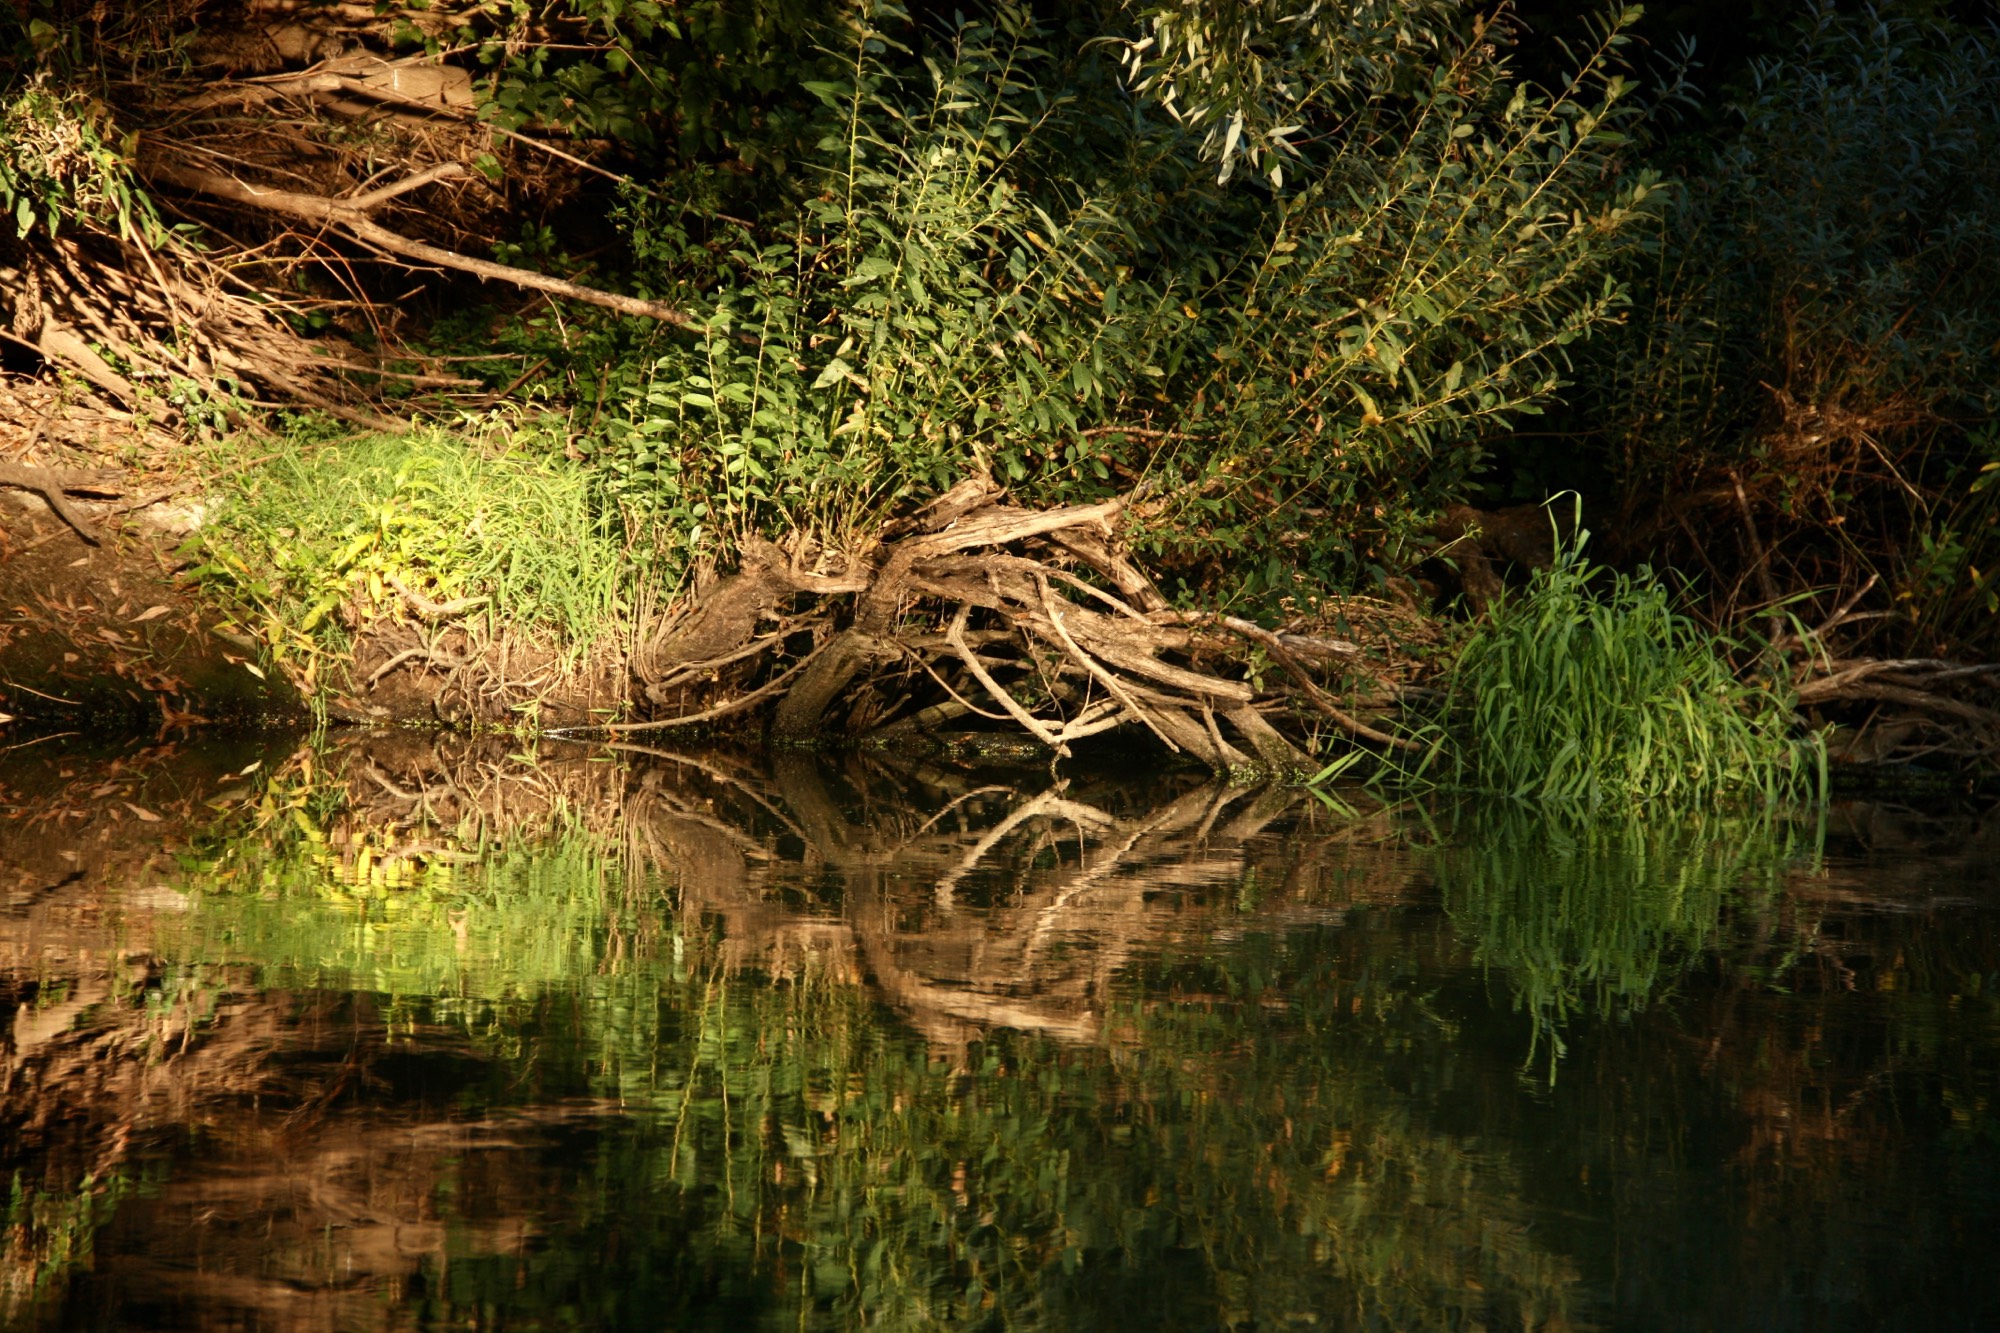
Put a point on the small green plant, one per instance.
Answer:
(1590, 687)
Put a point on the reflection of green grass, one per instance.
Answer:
(1598, 914)
(45, 1236)
(1221, 1164)
(509, 923)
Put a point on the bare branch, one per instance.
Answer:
(353, 219)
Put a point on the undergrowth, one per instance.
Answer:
(321, 536)
(1590, 687)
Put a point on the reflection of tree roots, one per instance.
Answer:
(971, 902)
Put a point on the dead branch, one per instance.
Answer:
(352, 216)
(50, 484)
(956, 637)
(1104, 656)
(1282, 654)
(1842, 680)
(431, 610)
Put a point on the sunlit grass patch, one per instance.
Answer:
(1591, 687)
(319, 536)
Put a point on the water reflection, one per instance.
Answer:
(1603, 913)
(411, 1032)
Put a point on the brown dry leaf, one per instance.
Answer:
(150, 613)
(141, 811)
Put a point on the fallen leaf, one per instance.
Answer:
(150, 613)
(254, 670)
(141, 811)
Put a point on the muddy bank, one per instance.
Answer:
(112, 638)
(117, 638)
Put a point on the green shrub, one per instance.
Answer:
(1589, 687)
(1002, 257)
(1822, 325)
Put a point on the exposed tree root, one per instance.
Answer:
(354, 215)
(51, 483)
(1902, 710)
(975, 606)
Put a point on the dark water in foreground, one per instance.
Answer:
(424, 1035)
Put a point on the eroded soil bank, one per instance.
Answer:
(108, 636)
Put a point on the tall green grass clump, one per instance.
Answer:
(321, 536)
(1589, 687)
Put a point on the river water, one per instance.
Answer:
(408, 1033)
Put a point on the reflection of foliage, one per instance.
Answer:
(429, 906)
(1600, 915)
(45, 1236)
(1227, 1160)
(535, 1056)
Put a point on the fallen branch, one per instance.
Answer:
(431, 610)
(1282, 655)
(729, 709)
(352, 215)
(956, 637)
(1842, 682)
(50, 483)
(971, 595)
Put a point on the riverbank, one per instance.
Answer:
(101, 630)
(482, 581)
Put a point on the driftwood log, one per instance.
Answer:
(1904, 710)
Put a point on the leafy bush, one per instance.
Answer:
(1823, 325)
(1590, 687)
(61, 162)
(1002, 260)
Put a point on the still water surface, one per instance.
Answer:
(411, 1033)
